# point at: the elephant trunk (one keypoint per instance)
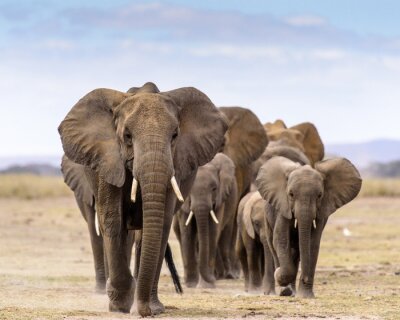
(203, 219)
(305, 226)
(153, 169)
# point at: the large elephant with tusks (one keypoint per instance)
(145, 146)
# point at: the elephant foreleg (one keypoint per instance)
(120, 284)
(285, 274)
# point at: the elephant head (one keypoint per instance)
(159, 138)
(214, 183)
(304, 137)
(253, 216)
(307, 197)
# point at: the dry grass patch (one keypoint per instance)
(30, 186)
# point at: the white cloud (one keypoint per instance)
(391, 62)
(305, 21)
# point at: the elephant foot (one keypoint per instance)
(232, 275)
(143, 308)
(203, 284)
(283, 279)
(305, 294)
(100, 286)
(254, 290)
(120, 300)
(156, 306)
(100, 289)
(269, 291)
(286, 291)
(191, 284)
(305, 290)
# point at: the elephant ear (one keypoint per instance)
(202, 127)
(226, 173)
(75, 178)
(312, 143)
(342, 183)
(245, 139)
(271, 182)
(247, 210)
(89, 138)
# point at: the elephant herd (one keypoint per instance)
(240, 196)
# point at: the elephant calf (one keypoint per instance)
(300, 200)
(206, 218)
(252, 246)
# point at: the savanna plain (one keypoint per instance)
(46, 268)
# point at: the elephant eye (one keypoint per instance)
(128, 137)
(175, 135)
(320, 195)
(291, 194)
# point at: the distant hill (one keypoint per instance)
(39, 169)
(382, 170)
(27, 160)
(367, 153)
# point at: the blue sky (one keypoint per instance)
(335, 63)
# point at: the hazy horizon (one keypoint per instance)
(334, 63)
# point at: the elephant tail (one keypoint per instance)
(172, 269)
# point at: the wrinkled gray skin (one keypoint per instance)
(152, 137)
(252, 246)
(304, 193)
(214, 189)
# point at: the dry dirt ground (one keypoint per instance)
(46, 269)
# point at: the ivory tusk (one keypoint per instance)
(189, 218)
(314, 224)
(96, 223)
(176, 189)
(214, 217)
(295, 223)
(134, 190)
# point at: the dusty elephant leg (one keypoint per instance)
(219, 265)
(120, 284)
(253, 261)
(306, 281)
(97, 246)
(188, 249)
(286, 272)
(241, 253)
(269, 268)
(226, 248)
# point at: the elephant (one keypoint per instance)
(300, 200)
(143, 147)
(244, 142)
(252, 246)
(205, 216)
(74, 177)
(304, 137)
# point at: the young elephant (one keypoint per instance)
(300, 201)
(205, 217)
(252, 246)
